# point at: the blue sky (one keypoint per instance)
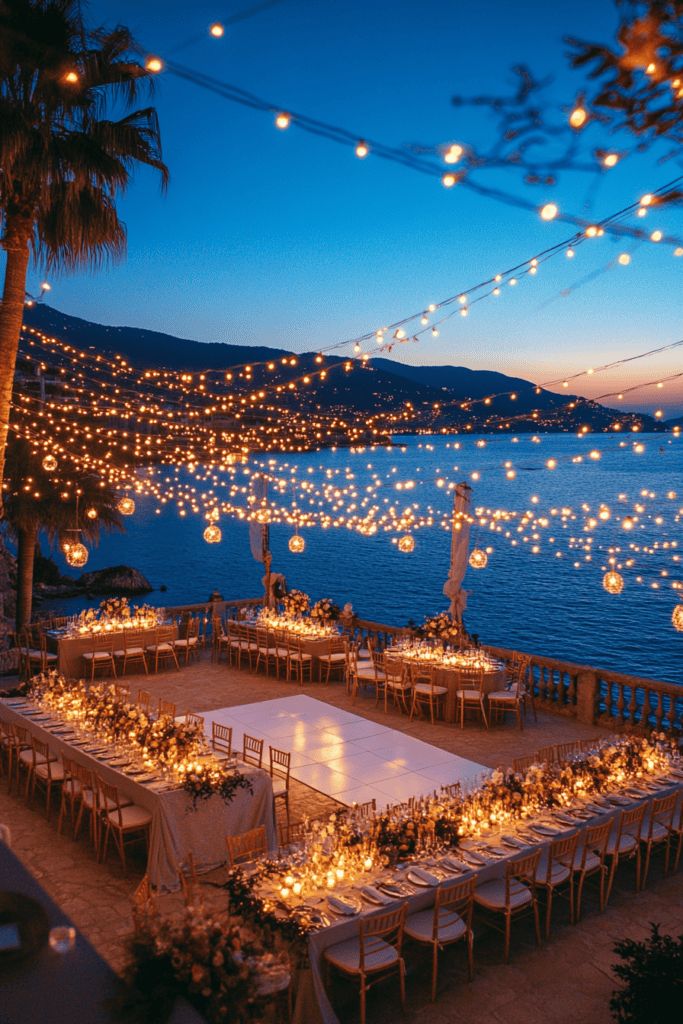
(280, 238)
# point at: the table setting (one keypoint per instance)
(346, 868)
(163, 765)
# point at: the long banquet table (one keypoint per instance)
(59, 989)
(313, 1005)
(177, 829)
(70, 649)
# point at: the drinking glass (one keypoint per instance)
(62, 939)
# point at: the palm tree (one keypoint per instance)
(34, 502)
(63, 162)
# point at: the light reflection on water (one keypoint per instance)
(536, 603)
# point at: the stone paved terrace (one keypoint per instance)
(567, 980)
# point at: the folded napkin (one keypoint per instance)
(343, 906)
(451, 864)
(474, 858)
(421, 877)
(545, 830)
(373, 895)
(513, 841)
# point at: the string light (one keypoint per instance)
(126, 506)
(283, 120)
(449, 180)
(49, 463)
(72, 77)
(578, 117)
(362, 149)
(613, 582)
(624, 259)
(549, 211)
(217, 30)
(154, 64)
(478, 558)
(453, 153)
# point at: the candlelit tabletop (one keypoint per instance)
(332, 901)
(447, 666)
(178, 828)
(71, 646)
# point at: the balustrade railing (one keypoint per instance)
(595, 696)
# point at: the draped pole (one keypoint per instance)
(259, 536)
(460, 542)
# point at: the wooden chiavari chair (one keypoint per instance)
(374, 955)
(145, 905)
(144, 701)
(246, 846)
(447, 922)
(189, 883)
(512, 895)
(100, 656)
(426, 693)
(470, 693)
(133, 650)
(300, 663)
(397, 682)
(45, 771)
(221, 740)
(555, 871)
(163, 647)
(624, 842)
(366, 810)
(452, 790)
(657, 831)
(197, 720)
(188, 645)
(522, 764)
(120, 821)
(252, 750)
(589, 861)
(166, 708)
(279, 774)
(546, 755)
(563, 751)
(333, 659)
(122, 691)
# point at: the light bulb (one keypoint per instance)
(283, 120)
(624, 259)
(549, 211)
(154, 64)
(362, 149)
(448, 180)
(578, 117)
(217, 30)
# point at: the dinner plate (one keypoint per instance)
(497, 851)
(24, 920)
(513, 842)
(545, 830)
(425, 879)
(451, 864)
(374, 896)
(346, 906)
(474, 858)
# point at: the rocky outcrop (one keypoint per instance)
(119, 580)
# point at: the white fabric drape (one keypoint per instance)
(460, 545)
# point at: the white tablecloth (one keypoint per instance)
(313, 1005)
(177, 829)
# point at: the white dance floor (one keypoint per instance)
(343, 755)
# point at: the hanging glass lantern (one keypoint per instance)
(49, 463)
(677, 618)
(76, 554)
(126, 506)
(91, 513)
(263, 515)
(296, 544)
(213, 534)
(406, 543)
(478, 558)
(613, 582)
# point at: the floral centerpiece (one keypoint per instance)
(115, 613)
(295, 604)
(325, 611)
(177, 748)
(440, 627)
(221, 967)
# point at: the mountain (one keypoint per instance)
(145, 348)
(409, 398)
